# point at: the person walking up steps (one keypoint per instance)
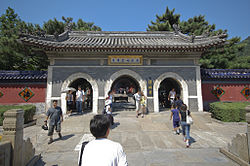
(137, 97)
(176, 119)
(185, 127)
(55, 115)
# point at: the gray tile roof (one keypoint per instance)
(23, 75)
(206, 74)
(122, 41)
(225, 74)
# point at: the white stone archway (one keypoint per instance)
(92, 82)
(178, 79)
(125, 72)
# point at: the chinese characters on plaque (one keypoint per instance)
(125, 60)
(150, 87)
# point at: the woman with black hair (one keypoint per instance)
(185, 127)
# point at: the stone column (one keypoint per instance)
(13, 132)
(248, 129)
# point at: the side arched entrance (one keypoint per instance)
(85, 81)
(164, 83)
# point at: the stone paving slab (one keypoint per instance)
(147, 141)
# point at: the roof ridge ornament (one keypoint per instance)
(177, 28)
(68, 27)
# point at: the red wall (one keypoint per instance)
(232, 92)
(11, 91)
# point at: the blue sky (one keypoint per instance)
(135, 15)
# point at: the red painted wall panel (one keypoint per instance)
(232, 92)
(11, 91)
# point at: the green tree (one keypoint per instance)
(53, 27)
(13, 54)
(223, 57)
(16, 56)
(164, 22)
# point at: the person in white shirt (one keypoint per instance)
(102, 151)
(137, 97)
(79, 99)
(171, 97)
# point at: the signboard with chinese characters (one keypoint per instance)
(125, 60)
(150, 87)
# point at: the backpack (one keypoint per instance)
(83, 146)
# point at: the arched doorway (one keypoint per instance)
(124, 87)
(165, 87)
(87, 88)
(126, 72)
(180, 81)
(81, 78)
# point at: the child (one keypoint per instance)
(176, 119)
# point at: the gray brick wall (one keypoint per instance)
(193, 104)
(102, 74)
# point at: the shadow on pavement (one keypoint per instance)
(65, 137)
(115, 125)
(192, 140)
(40, 162)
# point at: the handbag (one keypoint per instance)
(189, 119)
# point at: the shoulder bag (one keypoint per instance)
(189, 119)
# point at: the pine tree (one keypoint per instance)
(223, 57)
(165, 22)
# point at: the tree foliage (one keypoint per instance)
(16, 56)
(226, 56)
(164, 22)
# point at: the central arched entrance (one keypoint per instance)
(124, 87)
(165, 87)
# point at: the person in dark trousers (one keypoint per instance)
(102, 151)
(178, 102)
(185, 127)
(54, 114)
(176, 119)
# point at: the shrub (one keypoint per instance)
(229, 111)
(29, 111)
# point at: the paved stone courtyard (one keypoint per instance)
(147, 141)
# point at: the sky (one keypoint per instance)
(135, 15)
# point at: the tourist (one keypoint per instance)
(110, 96)
(137, 97)
(102, 151)
(108, 110)
(178, 102)
(70, 101)
(171, 97)
(55, 115)
(88, 94)
(176, 119)
(185, 127)
(79, 100)
(143, 104)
